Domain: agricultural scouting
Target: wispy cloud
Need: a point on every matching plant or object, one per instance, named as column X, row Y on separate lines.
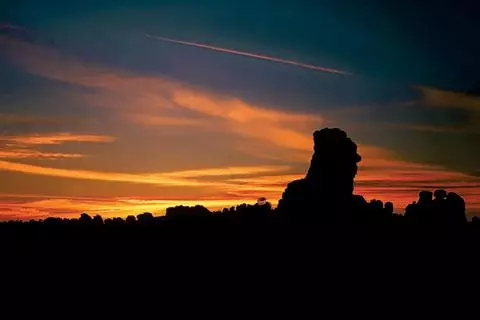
column 438, row 98
column 430, row 127
column 55, row 138
column 178, row 178
column 151, row 99
column 227, row 171
column 434, row 97
column 35, row 154
column 151, row 120
column 401, row 187
column 95, row 175
column 20, row 146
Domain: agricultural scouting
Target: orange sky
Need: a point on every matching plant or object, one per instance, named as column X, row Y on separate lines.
column 158, row 142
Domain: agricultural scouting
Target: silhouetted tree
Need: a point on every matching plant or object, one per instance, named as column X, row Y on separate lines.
column 53, row 222
column 85, row 218
column 389, row 208
column 131, row 220
column 456, row 209
column 98, row 220
column 185, row 212
column 146, row 217
column 118, row 221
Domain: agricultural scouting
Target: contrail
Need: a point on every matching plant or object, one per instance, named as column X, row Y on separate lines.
column 251, row 55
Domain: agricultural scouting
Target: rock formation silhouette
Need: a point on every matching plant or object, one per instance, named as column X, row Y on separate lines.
column 447, row 209
column 326, row 192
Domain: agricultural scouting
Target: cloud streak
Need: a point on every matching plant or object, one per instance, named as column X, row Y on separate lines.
column 430, row 127
column 55, row 138
column 152, row 100
column 179, row 178
column 250, row 55
column 434, row 97
column 438, row 98
column 151, row 120
column 227, row 171
column 35, row 154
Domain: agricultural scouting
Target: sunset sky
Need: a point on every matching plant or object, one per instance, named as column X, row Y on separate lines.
column 98, row 115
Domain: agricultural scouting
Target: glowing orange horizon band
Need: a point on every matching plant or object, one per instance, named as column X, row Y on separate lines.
column 251, row 55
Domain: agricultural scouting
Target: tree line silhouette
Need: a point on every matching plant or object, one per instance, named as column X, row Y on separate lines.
column 437, row 208
column 322, row 203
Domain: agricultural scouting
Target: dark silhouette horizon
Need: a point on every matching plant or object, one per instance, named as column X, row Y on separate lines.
column 324, row 195
column 319, row 228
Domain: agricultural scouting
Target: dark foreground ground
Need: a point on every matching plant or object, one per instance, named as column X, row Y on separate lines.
column 167, row 241
column 245, row 266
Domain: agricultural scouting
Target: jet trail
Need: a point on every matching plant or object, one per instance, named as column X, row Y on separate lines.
column 251, row 55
